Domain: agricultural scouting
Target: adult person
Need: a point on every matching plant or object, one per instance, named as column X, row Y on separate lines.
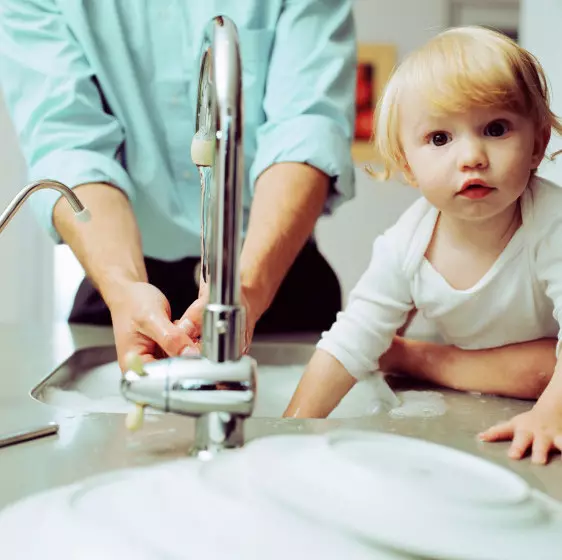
column 102, row 95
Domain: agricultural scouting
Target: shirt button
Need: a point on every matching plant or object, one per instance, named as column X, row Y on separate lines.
column 187, row 174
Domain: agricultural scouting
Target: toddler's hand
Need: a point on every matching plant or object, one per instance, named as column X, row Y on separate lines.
column 540, row 427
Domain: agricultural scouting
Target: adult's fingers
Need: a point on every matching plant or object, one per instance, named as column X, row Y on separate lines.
column 191, row 322
column 171, row 338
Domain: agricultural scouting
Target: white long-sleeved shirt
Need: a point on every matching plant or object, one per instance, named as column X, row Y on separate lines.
column 518, row 299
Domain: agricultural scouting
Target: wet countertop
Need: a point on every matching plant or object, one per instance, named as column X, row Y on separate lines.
column 89, row 444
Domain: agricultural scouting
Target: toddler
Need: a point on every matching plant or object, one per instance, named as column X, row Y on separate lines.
column 466, row 120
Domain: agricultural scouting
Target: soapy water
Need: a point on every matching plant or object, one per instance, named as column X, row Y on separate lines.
column 97, row 391
column 276, row 385
column 423, row 404
column 78, row 401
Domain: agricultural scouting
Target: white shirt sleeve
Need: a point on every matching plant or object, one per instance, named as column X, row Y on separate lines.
column 377, row 307
column 548, row 259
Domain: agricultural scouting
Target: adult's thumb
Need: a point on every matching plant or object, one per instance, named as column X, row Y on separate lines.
column 192, row 320
column 171, row 338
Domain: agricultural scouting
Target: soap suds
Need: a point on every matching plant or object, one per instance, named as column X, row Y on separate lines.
column 276, row 385
column 424, row 404
column 78, row 401
column 97, row 391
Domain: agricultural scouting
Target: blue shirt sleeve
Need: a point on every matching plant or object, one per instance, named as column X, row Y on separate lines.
column 56, row 107
column 310, row 93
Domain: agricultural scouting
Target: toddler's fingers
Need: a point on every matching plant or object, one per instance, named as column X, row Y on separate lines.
column 541, row 448
column 522, row 439
column 498, row 432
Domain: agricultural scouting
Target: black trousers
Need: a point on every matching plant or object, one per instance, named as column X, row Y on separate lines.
column 307, row 300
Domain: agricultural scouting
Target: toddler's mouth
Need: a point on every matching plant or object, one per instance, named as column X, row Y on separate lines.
column 475, row 189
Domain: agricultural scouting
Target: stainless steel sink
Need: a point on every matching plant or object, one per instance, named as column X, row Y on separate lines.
column 88, row 382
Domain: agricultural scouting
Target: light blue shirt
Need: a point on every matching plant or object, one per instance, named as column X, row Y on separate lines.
column 105, row 91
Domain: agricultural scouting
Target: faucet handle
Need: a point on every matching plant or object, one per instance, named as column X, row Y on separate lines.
column 219, row 395
column 193, row 385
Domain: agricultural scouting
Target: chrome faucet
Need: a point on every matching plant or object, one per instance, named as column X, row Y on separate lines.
column 219, row 129
column 80, row 212
column 218, row 387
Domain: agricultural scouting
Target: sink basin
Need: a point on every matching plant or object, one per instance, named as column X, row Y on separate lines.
column 345, row 494
column 89, row 382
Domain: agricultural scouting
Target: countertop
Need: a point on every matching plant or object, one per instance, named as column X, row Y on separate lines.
column 88, row 444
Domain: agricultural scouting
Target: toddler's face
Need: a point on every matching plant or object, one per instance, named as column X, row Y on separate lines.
column 472, row 165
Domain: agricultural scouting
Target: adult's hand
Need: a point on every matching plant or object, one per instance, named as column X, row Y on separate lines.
column 192, row 320
column 142, row 325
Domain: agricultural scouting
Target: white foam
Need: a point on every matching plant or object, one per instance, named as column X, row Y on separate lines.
column 423, row 404
column 276, row 385
column 97, row 391
column 81, row 402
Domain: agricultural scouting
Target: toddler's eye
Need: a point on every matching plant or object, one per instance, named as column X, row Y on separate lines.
column 439, row 138
column 496, row 128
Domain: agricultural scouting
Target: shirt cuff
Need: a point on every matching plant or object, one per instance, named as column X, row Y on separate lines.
column 356, row 368
column 312, row 139
column 73, row 168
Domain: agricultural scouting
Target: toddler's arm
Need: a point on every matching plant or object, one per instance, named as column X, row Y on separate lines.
column 323, row 385
column 541, row 427
column 351, row 349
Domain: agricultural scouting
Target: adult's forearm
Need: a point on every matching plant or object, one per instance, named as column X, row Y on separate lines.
column 552, row 395
column 517, row 370
column 288, row 199
column 109, row 245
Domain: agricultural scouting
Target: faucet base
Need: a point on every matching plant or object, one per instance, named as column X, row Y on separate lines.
column 215, row 432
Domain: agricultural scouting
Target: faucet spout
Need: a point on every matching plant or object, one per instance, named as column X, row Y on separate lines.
column 218, row 145
column 80, row 212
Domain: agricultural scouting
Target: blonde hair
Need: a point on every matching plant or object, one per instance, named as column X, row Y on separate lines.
column 459, row 69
